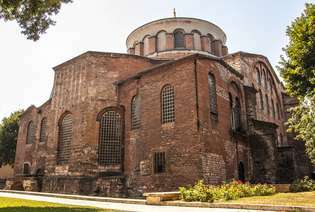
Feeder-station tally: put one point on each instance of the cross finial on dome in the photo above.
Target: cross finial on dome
(174, 12)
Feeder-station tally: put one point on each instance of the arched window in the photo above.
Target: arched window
(109, 150)
(212, 94)
(30, 137)
(43, 127)
(168, 104)
(135, 112)
(26, 169)
(179, 41)
(65, 138)
(161, 41)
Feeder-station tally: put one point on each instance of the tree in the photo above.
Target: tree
(9, 128)
(33, 16)
(298, 72)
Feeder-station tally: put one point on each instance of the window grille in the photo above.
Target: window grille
(168, 105)
(30, 138)
(109, 152)
(159, 162)
(212, 94)
(179, 39)
(65, 137)
(26, 169)
(43, 127)
(135, 112)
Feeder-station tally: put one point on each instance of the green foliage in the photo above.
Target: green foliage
(302, 185)
(302, 122)
(298, 69)
(8, 136)
(298, 72)
(227, 191)
(34, 17)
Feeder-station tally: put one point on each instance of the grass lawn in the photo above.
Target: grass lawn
(19, 205)
(288, 199)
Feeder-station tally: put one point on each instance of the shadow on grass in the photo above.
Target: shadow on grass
(55, 209)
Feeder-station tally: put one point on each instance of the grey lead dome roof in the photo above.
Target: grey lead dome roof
(171, 24)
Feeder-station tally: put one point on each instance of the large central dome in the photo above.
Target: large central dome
(175, 37)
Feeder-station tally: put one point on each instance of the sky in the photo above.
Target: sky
(26, 75)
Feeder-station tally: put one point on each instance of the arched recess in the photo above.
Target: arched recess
(179, 39)
(236, 105)
(111, 131)
(241, 171)
(26, 168)
(197, 39)
(146, 45)
(161, 41)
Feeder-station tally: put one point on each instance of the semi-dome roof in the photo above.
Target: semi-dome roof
(158, 37)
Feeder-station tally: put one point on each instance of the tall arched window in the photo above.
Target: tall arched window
(109, 150)
(179, 41)
(65, 138)
(168, 104)
(135, 112)
(212, 94)
(30, 137)
(26, 169)
(43, 127)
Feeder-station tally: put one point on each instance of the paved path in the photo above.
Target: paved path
(117, 206)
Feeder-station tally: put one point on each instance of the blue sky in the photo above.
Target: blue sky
(26, 66)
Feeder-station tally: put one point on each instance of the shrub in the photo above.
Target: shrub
(199, 192)
(301, 185)
(227, 191)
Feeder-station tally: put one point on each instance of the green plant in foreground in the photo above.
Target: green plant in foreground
(305, 184)
(227, 191)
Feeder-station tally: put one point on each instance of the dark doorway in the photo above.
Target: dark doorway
(241, 171)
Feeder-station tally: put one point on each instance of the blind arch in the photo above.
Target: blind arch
(135, 112)
(212, 94)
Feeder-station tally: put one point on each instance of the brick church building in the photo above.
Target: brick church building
(178, 107)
